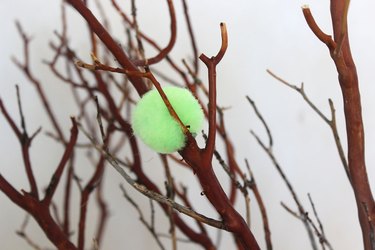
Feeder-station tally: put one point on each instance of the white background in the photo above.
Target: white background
(262, 34)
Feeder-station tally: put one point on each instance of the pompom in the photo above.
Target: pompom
(152, 122)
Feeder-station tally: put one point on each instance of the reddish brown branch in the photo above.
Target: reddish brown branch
(67, 196)
(151, 42)
(30, 202)
(211, 66)
(327, 39)
(25, 67)
(201, 160)
(11, 192)
(110, 43)
(25, 142)
(348, 79)
(90, 186)
(165, 51)
(60, 168)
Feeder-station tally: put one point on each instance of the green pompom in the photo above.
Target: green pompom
(157, 128)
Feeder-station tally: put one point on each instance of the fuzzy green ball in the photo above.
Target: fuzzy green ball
(152, 122)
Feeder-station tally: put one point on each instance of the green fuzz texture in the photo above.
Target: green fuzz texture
(152, 122)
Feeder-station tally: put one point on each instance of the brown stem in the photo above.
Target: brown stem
(211, 64)
(348, 79)
(201, 160)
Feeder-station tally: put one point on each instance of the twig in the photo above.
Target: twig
(25, 142)
(319, 232)
(60, 168)
(330, 122)
(110, 43)
(150, 227)
(25, 68)
(268, 150)
(151, 194)
(254, 188)
(21, 232)
(258, 114)
(192, 37)
(169, 185)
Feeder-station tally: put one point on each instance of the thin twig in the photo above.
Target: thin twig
(268, 150)
(319, 232)
(254, 188)
(331, 122)
(151, 194)
(21, 233)
(150, 227)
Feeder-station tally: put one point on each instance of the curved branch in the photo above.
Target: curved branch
(110, 43)
(327, 39)
(163, 52)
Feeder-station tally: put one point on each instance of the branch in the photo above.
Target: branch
(150, 227)
(165, 51)
(254, 188)
(331, 122)
(149, 193)
(25, 67)
(64, 159)
(192, 37)
(110, 43)
(348, 80)
(211, 64)
(268, 150)
(25, 142)
(323, 37)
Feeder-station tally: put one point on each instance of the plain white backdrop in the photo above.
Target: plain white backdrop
(262, 34)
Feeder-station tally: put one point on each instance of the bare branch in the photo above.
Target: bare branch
(331, 122)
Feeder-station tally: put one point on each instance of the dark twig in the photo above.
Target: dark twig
(254, 188)
(319, 232)
(25, 141)
(150, 226)
(192, 37)
(269, 134)
(25, 67)
(268, 150)
(169, 186)
(21, 232)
